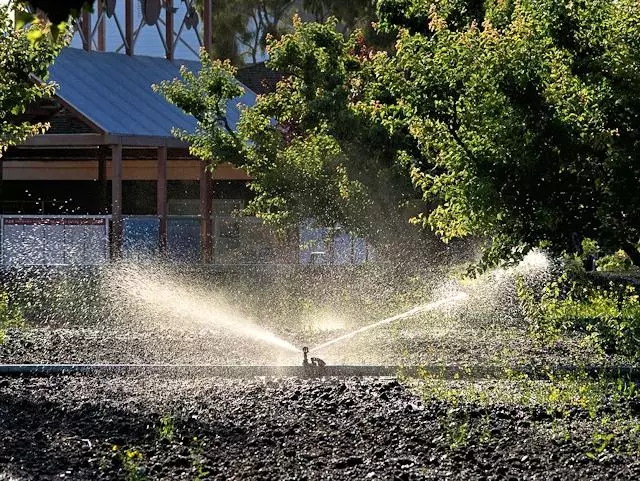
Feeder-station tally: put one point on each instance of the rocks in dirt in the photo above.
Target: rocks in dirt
(122, 343)
(276, 429)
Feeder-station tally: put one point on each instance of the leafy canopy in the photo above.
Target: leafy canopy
(527, 117)
(22, 63)
(316, 148)
(241, 28)
(517, 121)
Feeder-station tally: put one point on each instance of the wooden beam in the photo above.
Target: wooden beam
(102, 32)
(128, 26)
(86, 30)
(162, 200)
(207, 29)
(102, 177)
(168, 36)
(65, 140)
(206, 207)
(93, 140)
(116, 201)
(147, 141)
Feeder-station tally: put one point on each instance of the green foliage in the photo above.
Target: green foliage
(167, 429)
(526, 117)
(205, 96)
(10, 316)
(604, 408)
(516, 122)
(609, 317)
(600, 441)
(317, 148)
(131, 460)
(241, 28)
(616, 262)
(20, 59)
(328, 155)
(197, 459)
(457, 430)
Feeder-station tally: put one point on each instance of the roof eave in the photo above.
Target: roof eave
(94, 140)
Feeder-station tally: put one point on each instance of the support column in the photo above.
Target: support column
(162, 200)
(116, 201)
(128, 26)
(207, 30)
(102, 32)
(206, 208)
(86, 30)
(168, 36)
(102, 178)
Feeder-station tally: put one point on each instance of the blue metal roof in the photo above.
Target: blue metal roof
(114, 91)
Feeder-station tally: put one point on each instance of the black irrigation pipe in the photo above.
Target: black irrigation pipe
(435, 371)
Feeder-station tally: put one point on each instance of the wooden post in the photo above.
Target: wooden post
(102, 32)
(162, 200)
(128, 26)
(206, 204)
(102, 178)
(207, 30)
(116, 201)
(168, 36)
(86, 30)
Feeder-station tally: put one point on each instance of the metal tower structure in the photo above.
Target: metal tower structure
(176, 22)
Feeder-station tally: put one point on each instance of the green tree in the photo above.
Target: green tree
(517, 121)
(58, 12)
(21, 60)
(317, 148)
(241, 27)
(527, 117)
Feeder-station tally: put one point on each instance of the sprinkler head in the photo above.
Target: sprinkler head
(305, 352)
(316, 361)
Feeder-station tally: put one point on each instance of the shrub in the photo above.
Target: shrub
(609, 315)
(10, 316)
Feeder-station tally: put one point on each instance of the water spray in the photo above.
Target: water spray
(460, 296)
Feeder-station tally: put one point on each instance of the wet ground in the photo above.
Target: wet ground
(409, 343)
(84, 428)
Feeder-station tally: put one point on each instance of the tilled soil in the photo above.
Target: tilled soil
(414, 344)
(108, 428)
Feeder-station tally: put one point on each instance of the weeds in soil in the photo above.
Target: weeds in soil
(10, 316)
(197, 460)
(167, 429)
(131, 461)
(600, 442)
(167, 432)
(605, 317)
(599, 413)
(457, 430)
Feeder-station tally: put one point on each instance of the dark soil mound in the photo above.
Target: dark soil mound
(86, 428)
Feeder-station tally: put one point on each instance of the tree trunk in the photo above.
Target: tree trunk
(632, 252)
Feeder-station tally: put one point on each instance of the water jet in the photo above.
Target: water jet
(459, 297)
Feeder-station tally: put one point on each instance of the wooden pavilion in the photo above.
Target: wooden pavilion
(109, 127)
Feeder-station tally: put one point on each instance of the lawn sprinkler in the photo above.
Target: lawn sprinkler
(314, 366)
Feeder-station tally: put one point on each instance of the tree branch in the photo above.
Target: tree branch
(632, 251)
(453, 130)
